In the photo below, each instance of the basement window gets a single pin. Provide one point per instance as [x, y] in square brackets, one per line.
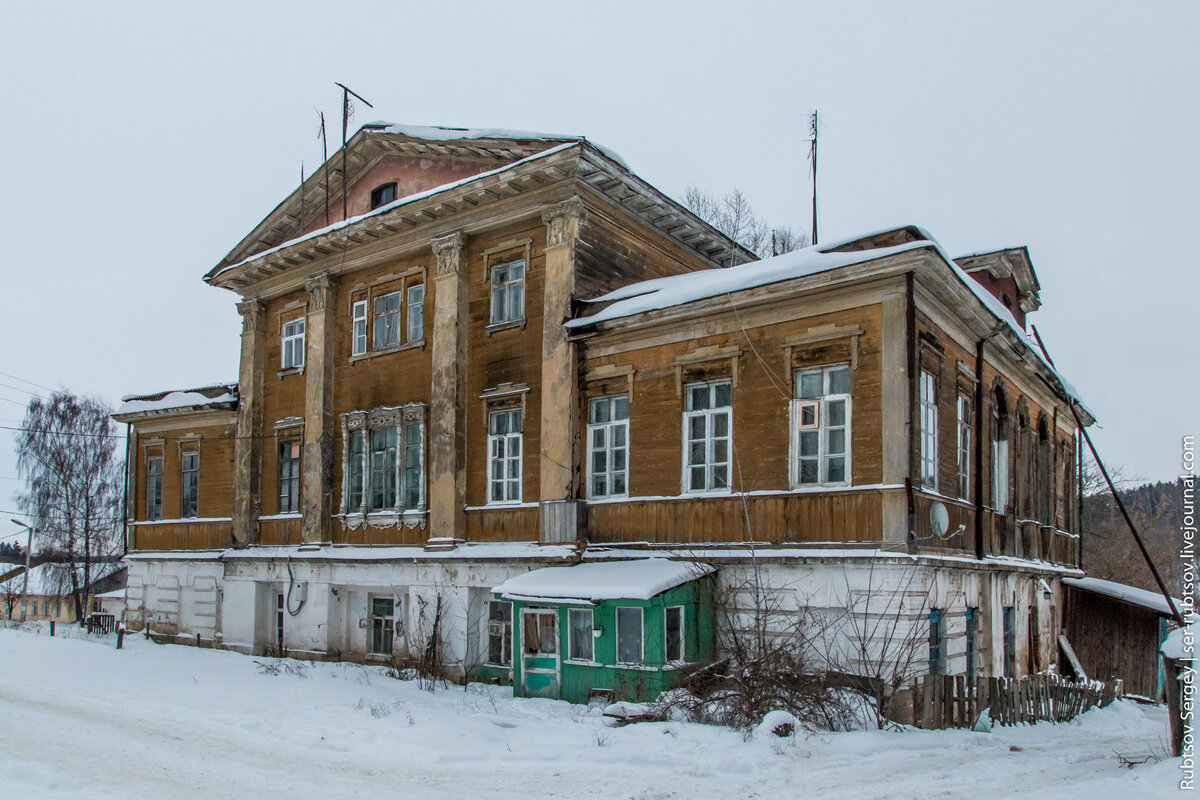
[382, 195]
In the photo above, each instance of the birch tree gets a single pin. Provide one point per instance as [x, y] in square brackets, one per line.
[67, 456]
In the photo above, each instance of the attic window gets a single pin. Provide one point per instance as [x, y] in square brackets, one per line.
[382, 195]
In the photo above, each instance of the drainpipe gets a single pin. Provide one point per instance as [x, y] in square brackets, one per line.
[125, 493]
[977, 486]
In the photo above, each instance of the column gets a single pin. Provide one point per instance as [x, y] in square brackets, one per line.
[316, 467]
[247, 448]
[562, 513]
[448, 398]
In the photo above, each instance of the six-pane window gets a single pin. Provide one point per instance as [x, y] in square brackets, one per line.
[289, 477]
[359, 321]
[387, 321]
[190, 485]
[154, 484]
[293, 344]
[580, 630]
[504, 456]
[416, 313]
[964, 447]
[821, 423]
[706, 445]
[929, 433]
[608, 446]
[508, 292]
[629, 635]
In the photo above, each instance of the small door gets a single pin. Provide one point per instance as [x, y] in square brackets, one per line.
[539, 652]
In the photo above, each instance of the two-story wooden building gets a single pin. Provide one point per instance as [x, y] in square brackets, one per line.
[515, 353]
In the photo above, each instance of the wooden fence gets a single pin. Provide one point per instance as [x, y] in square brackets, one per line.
[953, 701]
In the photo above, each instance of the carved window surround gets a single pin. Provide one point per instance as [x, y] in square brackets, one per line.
[706, 354]
[384, 417]
[613, 373]
[819, 335]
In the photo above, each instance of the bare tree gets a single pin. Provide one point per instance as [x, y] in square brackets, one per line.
[734, 216]
[67, 454]
[10, 595]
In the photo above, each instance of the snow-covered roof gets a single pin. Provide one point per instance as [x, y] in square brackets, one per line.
[443, 133]
[115, 594]
[178, 399]
[605, 580]
[1129, 594]
[1180, 643]
[51, 580]
[676, 290]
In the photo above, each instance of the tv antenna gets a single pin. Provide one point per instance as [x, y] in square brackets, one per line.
[347, 112]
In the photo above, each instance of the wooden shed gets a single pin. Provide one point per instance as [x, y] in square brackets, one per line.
[619, 629]
[1116, 631]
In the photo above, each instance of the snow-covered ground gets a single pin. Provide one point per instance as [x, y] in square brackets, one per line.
[80, 719]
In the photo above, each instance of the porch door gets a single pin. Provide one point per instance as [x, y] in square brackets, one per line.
[539, 652]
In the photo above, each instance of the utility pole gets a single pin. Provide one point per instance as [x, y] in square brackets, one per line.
[347, 92]
[812, 154]
[28, 553]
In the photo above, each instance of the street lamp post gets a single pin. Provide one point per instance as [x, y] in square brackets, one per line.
[28, 553]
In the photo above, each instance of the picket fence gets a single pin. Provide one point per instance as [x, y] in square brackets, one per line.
[954, 701]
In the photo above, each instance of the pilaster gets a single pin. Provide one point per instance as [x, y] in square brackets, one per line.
[247, 448]
[894, 388]
[448, 406]
[316, 476]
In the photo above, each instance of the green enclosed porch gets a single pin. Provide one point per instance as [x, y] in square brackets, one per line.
[623, 629]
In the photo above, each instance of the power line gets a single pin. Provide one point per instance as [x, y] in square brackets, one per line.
[25, 380]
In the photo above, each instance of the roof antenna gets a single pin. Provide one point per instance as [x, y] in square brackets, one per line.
[812, 154]
[325, 162]
[347, 112]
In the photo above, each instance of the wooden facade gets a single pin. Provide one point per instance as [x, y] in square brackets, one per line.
[581, 225]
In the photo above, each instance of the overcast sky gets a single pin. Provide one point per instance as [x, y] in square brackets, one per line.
[141, 142]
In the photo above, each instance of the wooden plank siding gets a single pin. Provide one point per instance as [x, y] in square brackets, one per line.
[279, 531]
[205, 535]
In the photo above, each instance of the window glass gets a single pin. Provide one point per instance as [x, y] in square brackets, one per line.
[964, 447]
[154, 483]
[293, 344]
[359, 318]
[383, 468]
[354, 479]
[500, 633]
[504, 456]
[629, 635]
[382, 195]
[937, 664]
[289, 477]
[674, 649]
[387, 321]
[190, 485]
[822, 419]
[929, 437]
[382, 624]
[707, 436]
[608, 446]
[416, 313]
[508, 292]
[580, 634]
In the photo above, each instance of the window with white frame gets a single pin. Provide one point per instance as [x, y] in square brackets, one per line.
[673, 641]
[358, 315]
[608, 446]
[929, 432]
[580, 639]
[384, 457]
[706, 436]
[383, 620]
[504, 456]
[964, 447]
[821, 426]
[629, 635]
[508, 292]
[1000, 464]
[500, 633]
[154, 488]
[289, 476]
[387, 321]
[190, 485]
[416, 313]
[293, 344]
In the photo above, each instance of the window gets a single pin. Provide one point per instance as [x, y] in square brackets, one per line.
[504, 456]
[821, 424]
[500, 633]
[673, 649]
[154, 486]
[293, 344]
[358, 314]
[384, 467]
[937, 655]
[416, 313]
[1010, 644]
[383, 618]
[279, 603]
[289, 477]
[608, 446]
[964, 447]
[629, 635]
[190, 485]
[706, 437]
[580, 630]
[972, 616]
[382, 195]
[508, 292]
[1000, 465]
[387, 321]
[541, 632]
[929, 437]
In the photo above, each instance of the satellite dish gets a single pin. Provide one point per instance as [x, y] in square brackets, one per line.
[939, 519]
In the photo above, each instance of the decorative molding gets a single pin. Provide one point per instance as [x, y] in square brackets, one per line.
[561, 221]
[449, 252]
[318, 289]
[504, 390]
[606, 372]
[710, 352]
[965, 372]
[289, 422]
[252, 312]
[821, 334]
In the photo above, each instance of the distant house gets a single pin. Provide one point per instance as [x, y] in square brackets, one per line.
[48, 596]
[1116, 631]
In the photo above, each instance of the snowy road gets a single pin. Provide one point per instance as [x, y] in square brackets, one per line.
[79, 719]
